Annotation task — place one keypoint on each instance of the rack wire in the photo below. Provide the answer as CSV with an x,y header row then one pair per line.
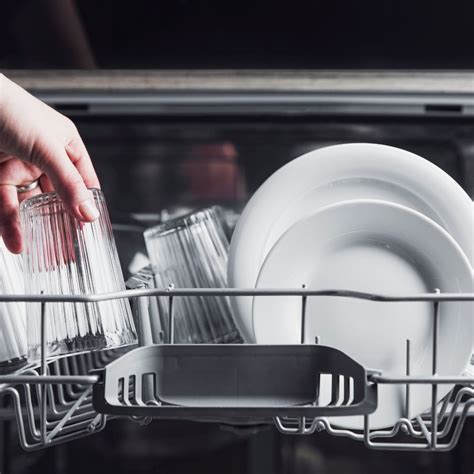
x,y
53,405
52,400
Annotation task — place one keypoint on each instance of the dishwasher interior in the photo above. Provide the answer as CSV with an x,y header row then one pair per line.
x,y
152,167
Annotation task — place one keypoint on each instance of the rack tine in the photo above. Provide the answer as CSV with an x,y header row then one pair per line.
x,y
170,315
303,316
141,306
301,424
434,387
407,386
318,381
44,371
435,334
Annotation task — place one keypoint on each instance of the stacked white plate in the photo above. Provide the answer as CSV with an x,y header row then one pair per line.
x,y
362,217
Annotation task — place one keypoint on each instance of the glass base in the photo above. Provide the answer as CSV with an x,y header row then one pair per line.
x,y
83,344
9,366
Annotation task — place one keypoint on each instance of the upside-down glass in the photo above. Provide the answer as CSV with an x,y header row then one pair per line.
x,y
65,256
13,346
191,252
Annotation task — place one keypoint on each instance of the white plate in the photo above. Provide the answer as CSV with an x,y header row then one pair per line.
x,y
334,174
380,247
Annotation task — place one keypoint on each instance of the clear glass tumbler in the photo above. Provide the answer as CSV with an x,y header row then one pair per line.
x,y
13,345
191,252
65,256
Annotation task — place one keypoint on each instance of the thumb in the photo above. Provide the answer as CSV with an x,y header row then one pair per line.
x,y
68,183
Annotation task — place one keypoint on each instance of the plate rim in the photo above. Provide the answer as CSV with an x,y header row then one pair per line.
x,y
463,261
257,205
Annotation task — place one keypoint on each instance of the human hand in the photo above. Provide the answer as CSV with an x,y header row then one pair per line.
x,y
37,142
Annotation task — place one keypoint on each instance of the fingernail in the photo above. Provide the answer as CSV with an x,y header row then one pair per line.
x,y
88,210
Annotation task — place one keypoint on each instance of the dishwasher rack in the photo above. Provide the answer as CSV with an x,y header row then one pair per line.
x,y
53,403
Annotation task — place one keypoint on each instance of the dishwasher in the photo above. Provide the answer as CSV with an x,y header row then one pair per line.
x,y
178,142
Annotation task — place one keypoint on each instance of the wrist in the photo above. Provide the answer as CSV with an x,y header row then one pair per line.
x,y
2,81
4,103
3,95
5,90
2,106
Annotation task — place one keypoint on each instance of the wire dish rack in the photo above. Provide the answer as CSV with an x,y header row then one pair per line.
x,y
64,398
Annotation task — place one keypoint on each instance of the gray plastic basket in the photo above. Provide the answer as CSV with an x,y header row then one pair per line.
x,y
232,381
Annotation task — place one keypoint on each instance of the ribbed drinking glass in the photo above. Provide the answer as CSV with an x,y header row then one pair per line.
x,y
191,252
13,345
65,256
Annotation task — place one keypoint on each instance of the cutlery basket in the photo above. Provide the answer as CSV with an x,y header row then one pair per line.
x,y
233,381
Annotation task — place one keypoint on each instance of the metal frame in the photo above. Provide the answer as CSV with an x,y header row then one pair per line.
x,y
268,103
54,405
52,402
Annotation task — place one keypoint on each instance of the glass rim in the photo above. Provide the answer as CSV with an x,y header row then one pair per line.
x,y
179,223
51,197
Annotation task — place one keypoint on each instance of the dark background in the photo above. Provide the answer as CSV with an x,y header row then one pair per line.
x,y
244,34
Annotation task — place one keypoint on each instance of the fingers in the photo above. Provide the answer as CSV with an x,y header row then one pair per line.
x,y
68,182
9,218
37,134
46,184
78,154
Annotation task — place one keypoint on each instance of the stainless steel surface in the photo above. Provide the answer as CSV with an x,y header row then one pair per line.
x,y
271,103
412,80
386,93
